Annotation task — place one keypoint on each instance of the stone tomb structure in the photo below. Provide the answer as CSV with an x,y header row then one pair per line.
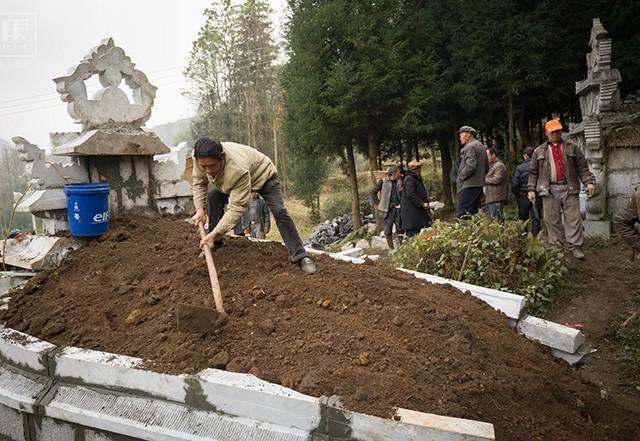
x,y
613,159
143,172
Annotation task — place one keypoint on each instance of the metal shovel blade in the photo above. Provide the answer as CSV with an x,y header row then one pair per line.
x,y
199,319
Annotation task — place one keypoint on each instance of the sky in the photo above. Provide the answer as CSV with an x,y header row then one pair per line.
x,y
41,39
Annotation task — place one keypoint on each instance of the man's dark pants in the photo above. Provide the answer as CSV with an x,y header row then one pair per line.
x,y
469,201
271,192
392,218
525,212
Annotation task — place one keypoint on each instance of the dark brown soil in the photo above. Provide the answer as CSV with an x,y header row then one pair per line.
x,y
598,299
377,338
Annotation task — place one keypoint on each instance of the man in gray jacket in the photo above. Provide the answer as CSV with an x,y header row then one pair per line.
x,y
473,167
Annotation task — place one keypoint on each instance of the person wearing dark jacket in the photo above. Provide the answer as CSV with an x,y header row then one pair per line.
x,y
519,189
414,207
473,167
388,204
496,186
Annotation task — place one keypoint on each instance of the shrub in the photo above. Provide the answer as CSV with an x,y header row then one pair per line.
x,y
339,203
488,254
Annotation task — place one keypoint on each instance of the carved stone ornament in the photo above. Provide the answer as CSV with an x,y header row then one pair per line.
x,y
109,107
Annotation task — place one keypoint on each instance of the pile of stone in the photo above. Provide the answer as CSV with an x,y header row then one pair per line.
x,y
330,232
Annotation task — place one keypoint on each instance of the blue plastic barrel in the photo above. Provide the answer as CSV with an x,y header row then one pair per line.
x,y
88,208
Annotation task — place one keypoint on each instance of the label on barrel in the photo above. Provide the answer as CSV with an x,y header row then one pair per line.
x,y
100,218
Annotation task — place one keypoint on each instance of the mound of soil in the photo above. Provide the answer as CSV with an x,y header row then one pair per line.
x,y
376,337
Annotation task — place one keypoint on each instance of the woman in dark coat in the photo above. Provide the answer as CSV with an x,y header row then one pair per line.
x,y
414,208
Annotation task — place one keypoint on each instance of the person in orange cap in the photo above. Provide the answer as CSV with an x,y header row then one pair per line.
x,y
555,172
414,205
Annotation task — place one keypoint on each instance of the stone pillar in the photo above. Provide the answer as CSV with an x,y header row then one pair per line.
x,y
599,99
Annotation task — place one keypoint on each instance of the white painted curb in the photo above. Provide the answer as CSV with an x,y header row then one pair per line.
x,y
510,304
551,334
25,351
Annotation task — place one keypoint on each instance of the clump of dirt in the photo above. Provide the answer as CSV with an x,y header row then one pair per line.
x,y
376,337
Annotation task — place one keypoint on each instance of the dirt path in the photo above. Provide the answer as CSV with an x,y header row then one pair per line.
x,y
597,296
375,337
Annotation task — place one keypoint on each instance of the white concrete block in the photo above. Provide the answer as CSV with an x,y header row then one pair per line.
x,y
52,430
25,351
363,243
11,424
39,252
173,189
510,304
352,252
19,389
370,428
373,257
338,256
466,429
578,358
155,420
599,229
313,251
43,200
119,372
247,396
551,334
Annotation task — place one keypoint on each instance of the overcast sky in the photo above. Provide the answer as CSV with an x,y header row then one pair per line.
x,y
42,39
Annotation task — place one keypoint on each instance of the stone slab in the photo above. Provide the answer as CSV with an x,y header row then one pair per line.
x,y
598,229
338,256
510,304
117,372
314,252
551,334
352,252
173,189
39,252
24,351
465,429
582,356
12,425
155,420
250,397
43,200
370,428
19,389
107,142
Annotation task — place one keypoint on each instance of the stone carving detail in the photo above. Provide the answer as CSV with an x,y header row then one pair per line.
x,y
599,96
110,106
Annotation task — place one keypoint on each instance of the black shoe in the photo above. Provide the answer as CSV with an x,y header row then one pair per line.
x,y
217,245
306,265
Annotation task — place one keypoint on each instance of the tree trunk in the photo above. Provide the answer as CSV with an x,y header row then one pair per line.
x,y
372,150
433,158
445,158
510,153
353,181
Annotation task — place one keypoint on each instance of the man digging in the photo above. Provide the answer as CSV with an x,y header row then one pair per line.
x,y
236,170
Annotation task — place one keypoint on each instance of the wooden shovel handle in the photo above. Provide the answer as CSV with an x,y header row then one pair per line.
x,y
213,275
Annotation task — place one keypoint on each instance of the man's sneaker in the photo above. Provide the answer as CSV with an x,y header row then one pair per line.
x,y
577,253
306,265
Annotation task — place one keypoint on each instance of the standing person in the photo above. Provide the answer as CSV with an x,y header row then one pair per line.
x,y
555,172
414,205
388,204
497,186
473,167
625,220
519,184
255,221
236,170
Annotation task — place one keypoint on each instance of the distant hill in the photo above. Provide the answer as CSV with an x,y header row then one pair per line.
x,y
174,132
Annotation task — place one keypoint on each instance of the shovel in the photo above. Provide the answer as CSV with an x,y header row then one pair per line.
x,y
200,319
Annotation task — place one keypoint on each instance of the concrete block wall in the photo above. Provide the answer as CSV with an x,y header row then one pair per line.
x,y
49,393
